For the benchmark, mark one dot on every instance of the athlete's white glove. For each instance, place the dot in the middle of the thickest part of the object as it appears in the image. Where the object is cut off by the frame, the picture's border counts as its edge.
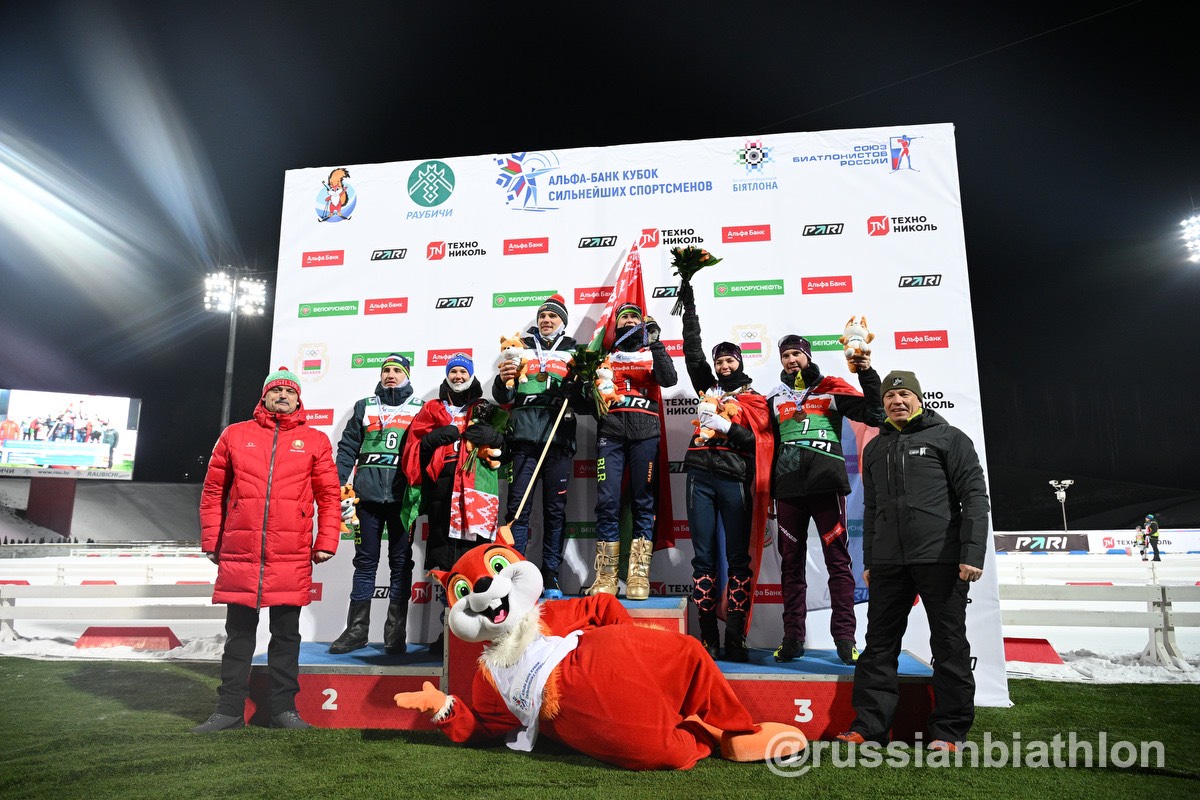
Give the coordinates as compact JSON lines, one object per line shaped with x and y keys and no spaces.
{"x":714,"y":421}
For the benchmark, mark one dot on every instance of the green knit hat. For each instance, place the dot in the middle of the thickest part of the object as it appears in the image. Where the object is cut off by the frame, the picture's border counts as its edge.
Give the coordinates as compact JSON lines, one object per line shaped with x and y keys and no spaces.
{"x":281,"y":377}
{"x":903,"y":379}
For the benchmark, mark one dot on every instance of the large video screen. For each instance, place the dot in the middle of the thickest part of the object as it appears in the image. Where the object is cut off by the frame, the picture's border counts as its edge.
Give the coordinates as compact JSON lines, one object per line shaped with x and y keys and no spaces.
{"x":67,"y":435}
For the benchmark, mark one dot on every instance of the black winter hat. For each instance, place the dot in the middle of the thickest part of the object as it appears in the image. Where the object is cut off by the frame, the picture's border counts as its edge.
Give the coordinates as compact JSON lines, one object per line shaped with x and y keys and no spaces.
{"x":795,"y":342}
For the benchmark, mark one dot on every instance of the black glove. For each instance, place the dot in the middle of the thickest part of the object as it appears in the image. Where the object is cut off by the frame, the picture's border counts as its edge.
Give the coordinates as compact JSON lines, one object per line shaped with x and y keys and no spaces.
{"x":483,"y":435}
{"x":687,"y":295}
{"x":652,"y":330}
{"x":439,"y":437}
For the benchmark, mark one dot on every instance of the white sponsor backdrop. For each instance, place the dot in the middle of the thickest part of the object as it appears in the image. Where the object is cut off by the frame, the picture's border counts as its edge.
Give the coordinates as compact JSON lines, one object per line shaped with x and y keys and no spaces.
{"x":812,"y":227}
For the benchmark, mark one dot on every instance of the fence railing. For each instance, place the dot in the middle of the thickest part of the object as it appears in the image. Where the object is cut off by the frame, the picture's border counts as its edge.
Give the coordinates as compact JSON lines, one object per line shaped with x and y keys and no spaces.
{"x":1108,"y":607}
{"x":182,"y":601}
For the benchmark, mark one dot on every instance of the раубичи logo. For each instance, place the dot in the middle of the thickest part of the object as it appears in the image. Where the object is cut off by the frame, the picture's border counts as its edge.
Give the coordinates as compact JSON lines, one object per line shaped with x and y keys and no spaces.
{"x":336,"y":199}
{"x":519,"y":174}
{"x":431,"y":183}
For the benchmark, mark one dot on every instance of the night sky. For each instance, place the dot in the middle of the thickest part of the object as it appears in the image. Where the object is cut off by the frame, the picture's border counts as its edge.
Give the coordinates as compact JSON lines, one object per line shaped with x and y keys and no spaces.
{"x":143,"y":143}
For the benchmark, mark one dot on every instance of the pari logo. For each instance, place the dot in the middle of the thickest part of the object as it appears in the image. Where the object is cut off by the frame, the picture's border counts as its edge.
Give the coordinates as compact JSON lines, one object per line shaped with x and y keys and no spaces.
{"x":519,"y":177}
{"x":311,"y":362}
{"x":336,"y":199}
{"x":430,"y":184}
{"x":395,"y":254}
{"x":911,"y":281}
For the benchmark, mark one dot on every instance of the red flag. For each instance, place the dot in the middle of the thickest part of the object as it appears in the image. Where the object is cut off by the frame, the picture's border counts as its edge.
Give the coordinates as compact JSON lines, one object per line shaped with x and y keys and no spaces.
{"x":628,"y":289}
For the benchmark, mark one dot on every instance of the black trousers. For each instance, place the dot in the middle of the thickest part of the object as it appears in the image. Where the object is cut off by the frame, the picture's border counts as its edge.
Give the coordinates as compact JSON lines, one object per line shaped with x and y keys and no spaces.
{"x":876,"y":684}
{"x":283,"y":658}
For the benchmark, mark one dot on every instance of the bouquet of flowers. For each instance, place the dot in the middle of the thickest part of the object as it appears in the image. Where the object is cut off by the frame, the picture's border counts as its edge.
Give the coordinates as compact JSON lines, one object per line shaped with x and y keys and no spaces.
{"x":585,"y":366}
{"x":686,"y":262}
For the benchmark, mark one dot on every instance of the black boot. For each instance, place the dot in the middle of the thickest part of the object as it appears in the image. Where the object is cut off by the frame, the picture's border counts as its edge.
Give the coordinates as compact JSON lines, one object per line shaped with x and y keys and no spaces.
{"x":735,"y":637}
{"x":395,"y":629}
{"x":358,"y":623}
{"x":710,"y":637}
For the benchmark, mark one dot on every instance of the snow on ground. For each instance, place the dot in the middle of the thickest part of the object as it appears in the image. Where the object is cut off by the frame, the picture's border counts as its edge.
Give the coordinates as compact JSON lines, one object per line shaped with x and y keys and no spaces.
{"x":1090,"y":655}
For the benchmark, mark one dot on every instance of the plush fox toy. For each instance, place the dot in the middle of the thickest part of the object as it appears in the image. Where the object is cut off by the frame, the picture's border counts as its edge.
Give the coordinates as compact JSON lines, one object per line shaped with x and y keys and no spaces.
{"x":725,"y":408}
{"x":856,"y":339}
{"x":513,"y":349}
{"x":579,"y":672}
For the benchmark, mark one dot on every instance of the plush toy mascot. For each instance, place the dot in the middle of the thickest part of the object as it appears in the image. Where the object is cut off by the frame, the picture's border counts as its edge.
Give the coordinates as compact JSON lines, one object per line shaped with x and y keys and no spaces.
{"x":580,"y":672}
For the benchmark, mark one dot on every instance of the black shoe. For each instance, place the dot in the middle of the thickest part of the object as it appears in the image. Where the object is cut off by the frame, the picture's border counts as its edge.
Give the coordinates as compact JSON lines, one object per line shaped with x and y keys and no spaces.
{"x":735,"y":638}
{"x":550,"y":588}
{"x":395,"y":629}
{"x":789,"y":650}
{"x":219,"y":722}
{"x":358,"y":623}
{"x":710,"y":637}
{"x":846,"y":651}
{"x":289,"y":719}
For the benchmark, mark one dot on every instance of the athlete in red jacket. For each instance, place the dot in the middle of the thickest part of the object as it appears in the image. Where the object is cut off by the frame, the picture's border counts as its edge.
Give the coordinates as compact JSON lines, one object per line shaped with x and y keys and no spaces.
{"x":256,"y":525}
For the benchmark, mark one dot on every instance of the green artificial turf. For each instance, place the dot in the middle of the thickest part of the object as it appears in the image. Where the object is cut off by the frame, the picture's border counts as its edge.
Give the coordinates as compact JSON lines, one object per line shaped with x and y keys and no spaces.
{"x":120,"y":730}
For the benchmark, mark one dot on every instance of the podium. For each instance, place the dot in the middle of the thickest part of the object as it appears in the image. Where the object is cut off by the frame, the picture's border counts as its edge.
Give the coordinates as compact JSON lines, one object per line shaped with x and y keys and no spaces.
{"x":355,"y":690}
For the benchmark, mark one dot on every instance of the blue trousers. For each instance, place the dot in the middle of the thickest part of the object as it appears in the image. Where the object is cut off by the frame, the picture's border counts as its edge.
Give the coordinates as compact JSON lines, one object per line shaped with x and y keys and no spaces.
{"x":711,"y":497}
{"x":372,"y":519}
{"x":554,"y":476}
{"x":616,"y":458}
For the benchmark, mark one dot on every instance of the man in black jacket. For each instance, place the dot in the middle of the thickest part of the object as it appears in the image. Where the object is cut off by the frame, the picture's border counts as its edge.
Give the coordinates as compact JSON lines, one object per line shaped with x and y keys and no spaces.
{"x":535,"y":405}
{"x":369,"y":450}
{"x":925,"y":528}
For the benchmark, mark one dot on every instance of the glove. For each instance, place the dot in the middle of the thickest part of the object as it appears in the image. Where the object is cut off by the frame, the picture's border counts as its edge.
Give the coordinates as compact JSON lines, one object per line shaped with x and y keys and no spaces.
{"x":652,"y":330}
{"x":714,"y":421}
{"x":430,"y":699}
{"x":687,"y":295}
{"x":483,"y":435}
{"x":447,"y":434}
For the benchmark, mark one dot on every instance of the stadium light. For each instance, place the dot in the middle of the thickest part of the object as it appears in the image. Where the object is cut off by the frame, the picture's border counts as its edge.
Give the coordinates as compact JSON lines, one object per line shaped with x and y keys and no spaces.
{"x":1191,"y":236}
{"x":1060,"y":493}
{"x":233,"y":292}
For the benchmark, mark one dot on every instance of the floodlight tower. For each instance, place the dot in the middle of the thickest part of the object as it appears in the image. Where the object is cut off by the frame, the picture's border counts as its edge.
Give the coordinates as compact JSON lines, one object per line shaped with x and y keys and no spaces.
{"x":233,"y":292}
{"x":1060,"y":493}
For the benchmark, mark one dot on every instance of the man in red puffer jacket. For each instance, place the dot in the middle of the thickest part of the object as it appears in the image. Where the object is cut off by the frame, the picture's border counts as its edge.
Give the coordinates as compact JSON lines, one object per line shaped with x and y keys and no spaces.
{"x":256,"y":525}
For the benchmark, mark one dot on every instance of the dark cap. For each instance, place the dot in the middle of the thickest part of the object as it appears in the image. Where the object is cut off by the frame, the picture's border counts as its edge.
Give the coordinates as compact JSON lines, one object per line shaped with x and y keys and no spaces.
{"x":902,"y":379}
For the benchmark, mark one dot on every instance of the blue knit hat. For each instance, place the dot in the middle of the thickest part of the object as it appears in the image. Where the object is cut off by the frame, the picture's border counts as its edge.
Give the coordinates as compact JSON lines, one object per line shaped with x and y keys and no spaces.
{"x":461,"y":360}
